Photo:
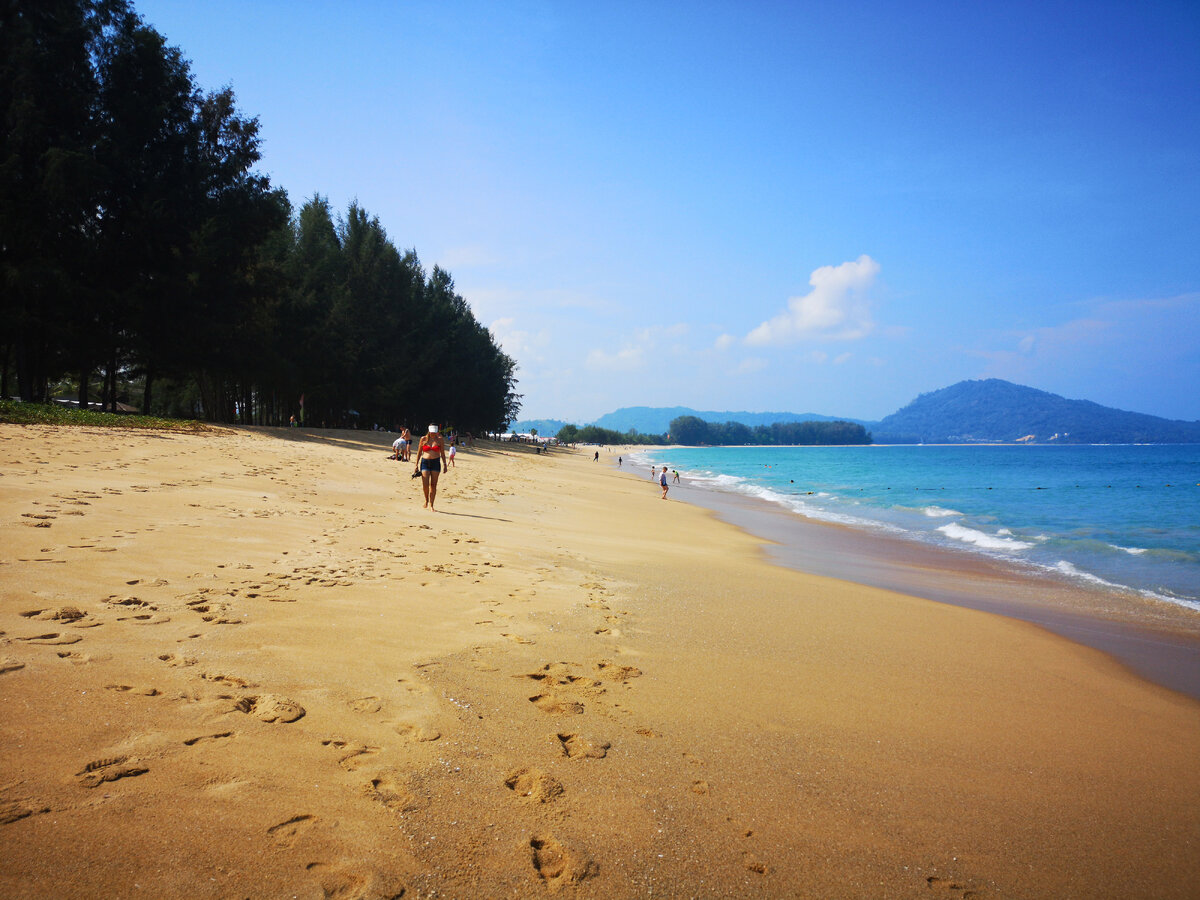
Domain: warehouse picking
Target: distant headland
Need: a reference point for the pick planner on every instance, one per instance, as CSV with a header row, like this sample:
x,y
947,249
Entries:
x,y
984,411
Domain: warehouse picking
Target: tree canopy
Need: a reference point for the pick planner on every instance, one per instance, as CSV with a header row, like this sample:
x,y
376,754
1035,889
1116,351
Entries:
x,y
593,434
140,247
695,431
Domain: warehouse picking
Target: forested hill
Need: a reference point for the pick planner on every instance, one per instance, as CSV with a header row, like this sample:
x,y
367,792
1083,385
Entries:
x,y
146,261
657,420
995,410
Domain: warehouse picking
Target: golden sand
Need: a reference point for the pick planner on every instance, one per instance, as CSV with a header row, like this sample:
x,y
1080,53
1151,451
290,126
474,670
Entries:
x,y
249,664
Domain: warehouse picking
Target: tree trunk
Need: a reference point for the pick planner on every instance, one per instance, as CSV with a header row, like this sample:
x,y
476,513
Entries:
x,y
32,381
110,393
4,371
146,395
84,376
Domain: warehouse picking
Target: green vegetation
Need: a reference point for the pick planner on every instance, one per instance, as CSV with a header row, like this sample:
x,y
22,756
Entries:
x,y
591,434
141,253
53,414
694,431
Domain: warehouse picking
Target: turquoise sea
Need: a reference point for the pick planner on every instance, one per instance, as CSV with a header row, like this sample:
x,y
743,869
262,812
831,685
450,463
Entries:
x,y
1110,516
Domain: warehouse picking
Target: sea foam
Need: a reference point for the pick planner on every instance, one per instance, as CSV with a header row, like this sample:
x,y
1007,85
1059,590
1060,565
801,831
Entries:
x,y
984,541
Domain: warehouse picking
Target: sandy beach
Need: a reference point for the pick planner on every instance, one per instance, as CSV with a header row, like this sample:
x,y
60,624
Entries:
x,y
247,663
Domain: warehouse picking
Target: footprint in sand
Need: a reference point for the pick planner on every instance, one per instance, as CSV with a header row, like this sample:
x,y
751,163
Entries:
x,y
130,689
412,687
366,705
145,619
534,785
175,660
286,833
231,680
349,881
577,747
16,810
611,671
352,755
221,735
270,708
753,864
67,614
417,733
114,768
558,865
952,887
393,792
549,704
8,664
52,638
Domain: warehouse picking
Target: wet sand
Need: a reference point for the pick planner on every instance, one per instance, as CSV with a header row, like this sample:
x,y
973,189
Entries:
x,y
1157,640
249,664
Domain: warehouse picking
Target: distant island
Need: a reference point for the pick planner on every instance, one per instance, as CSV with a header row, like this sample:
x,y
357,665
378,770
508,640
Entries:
x,y
996,411
983,411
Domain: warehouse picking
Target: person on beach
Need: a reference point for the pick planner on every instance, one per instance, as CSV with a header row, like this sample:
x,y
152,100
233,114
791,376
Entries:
x,y
618,462
453,452
406,437
398,449
430,460
675,480
662,480
596,458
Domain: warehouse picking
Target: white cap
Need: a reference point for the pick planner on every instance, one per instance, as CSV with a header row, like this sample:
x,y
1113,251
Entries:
x,y
433,429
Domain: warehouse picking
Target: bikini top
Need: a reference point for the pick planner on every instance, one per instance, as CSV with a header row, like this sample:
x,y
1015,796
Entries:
x,y
430,448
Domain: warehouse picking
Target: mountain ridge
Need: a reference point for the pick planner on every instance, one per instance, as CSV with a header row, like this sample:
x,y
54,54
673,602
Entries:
x,y
992,410
973,411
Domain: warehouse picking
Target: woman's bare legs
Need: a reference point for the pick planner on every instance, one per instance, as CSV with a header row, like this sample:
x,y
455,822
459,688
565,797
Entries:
x,y
426,475
431,488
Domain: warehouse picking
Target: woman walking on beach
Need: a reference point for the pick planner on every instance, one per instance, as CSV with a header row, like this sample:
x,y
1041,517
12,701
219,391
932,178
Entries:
x,y
430,461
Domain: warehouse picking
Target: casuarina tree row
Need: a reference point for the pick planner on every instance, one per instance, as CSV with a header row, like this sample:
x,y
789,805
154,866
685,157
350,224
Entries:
x,y
140,249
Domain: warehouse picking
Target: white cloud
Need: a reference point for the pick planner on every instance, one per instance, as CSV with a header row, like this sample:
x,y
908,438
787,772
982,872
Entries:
x,y
837,308
634,352
627,359
724,342
523,346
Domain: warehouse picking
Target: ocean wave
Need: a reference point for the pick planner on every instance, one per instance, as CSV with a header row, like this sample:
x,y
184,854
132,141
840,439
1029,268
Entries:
x,y
937,512
1132,551
1065,568
984,541
794,503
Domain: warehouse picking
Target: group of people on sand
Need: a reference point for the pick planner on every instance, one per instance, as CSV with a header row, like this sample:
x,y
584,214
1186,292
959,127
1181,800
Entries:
x,y
434,453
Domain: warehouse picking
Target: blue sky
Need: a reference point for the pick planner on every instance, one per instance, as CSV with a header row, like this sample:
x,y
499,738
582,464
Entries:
x,y
807,207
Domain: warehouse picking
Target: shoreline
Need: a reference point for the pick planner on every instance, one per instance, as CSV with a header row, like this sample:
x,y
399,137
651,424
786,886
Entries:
x,y
1165,650
250,664
1157,640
